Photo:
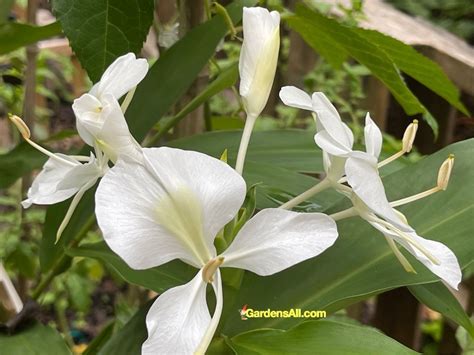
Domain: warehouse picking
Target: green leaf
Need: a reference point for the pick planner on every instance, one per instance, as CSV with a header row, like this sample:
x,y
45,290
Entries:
x,y
416,65
16,35
322,32
129,339
34,340
365,264
322,337
99,31
439,298
225,79
5,8
291,149
157,279
100,340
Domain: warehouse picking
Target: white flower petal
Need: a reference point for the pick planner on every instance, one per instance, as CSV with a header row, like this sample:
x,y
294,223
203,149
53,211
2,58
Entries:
x,y
448,269
363,177
178,319
321,103
328,144
275,239
81,175
87,110
121,76
330,121
114,137
220,191
333,166
127,202
46,189
258,57
373,137
294,97
167,209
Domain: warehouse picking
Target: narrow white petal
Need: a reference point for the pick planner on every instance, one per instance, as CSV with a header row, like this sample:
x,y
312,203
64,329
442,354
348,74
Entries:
x,y
275,239
328,144
320,102
44,189
294,97
178,319
363,177
373,137
81,175
121,76
448,269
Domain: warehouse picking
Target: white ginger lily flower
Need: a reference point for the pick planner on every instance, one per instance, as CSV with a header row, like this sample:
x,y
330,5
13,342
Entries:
x,y
371,203
62,176
333,136
168,208
99,118
367,191
257,66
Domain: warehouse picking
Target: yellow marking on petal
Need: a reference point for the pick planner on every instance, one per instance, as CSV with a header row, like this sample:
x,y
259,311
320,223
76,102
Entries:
x,y
180,212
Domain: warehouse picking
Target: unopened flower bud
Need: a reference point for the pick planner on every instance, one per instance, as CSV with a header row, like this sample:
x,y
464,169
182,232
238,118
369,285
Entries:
x,y
445,172
258,57
21,125
409,136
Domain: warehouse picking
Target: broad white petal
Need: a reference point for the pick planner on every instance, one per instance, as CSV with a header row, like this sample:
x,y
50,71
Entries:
x,y
87,110
44,189
448,269
275,239
219,189
294,97
178,319
258,57
127,202
328,144
363,177
373,137
170,208
121,76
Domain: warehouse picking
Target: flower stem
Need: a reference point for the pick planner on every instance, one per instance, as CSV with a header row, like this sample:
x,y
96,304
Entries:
x,y
244,143
418,196
211,329
350,212
391,158
320,186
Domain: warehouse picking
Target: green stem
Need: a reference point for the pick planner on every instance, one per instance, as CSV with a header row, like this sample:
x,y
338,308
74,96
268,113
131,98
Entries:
x,y
320,186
